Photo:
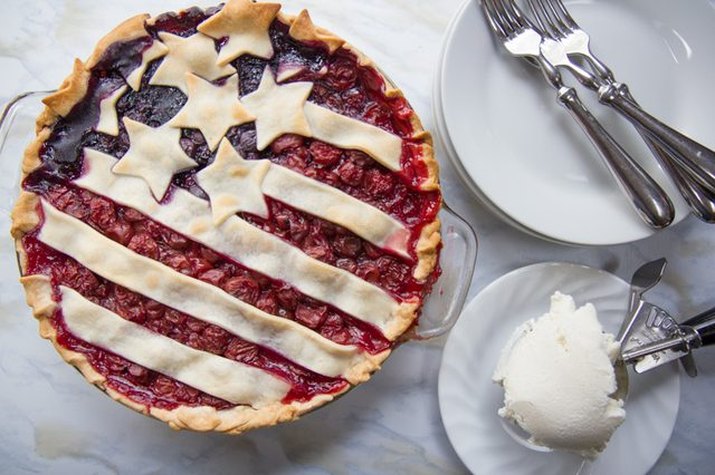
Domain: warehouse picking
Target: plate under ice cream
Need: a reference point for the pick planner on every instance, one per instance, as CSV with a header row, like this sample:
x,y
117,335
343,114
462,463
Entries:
x,y
559,380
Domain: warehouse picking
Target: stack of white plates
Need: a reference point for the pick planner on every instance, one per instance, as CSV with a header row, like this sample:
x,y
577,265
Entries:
x,y
522,154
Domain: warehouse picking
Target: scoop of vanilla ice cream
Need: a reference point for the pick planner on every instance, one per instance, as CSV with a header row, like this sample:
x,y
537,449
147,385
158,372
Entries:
x,y
558,378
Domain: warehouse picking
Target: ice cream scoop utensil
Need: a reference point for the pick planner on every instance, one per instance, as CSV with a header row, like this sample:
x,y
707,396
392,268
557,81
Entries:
x,y
644,279
656,338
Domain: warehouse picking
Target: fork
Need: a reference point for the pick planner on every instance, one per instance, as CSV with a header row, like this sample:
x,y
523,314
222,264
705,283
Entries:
x,y
522,39
681,157
559,27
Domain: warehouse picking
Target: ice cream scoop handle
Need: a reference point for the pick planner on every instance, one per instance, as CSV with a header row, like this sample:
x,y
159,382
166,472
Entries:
x,y
704,324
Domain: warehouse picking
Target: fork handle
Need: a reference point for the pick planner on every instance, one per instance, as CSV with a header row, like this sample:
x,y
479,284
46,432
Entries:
x,y
697,159
700,200
648,198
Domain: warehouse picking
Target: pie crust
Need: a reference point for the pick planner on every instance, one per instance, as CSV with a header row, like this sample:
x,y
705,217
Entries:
x,y
27,215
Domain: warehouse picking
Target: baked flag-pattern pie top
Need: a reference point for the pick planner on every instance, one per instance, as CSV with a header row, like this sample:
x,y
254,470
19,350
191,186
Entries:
x,y
228,217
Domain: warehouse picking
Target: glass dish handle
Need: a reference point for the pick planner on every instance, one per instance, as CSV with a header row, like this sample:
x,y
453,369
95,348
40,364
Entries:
x,y
8,114
17,127
457,260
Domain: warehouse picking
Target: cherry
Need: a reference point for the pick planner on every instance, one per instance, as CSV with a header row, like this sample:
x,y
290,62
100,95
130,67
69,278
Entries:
x,y
119,231
296,159
323,153
164,386
267,303
213,276
369,271
342,74
115,363
72,204
241,350
377,114
354,101
176,260
350,173
317,247
286,142
154,310
377,183
311,317
142,243
347,246
131,215
288,298
347,264
101,212
200,266
210,255
243,287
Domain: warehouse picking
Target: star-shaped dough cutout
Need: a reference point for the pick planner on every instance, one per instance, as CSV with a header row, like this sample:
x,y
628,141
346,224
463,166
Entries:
x,y
234,184
278,109
156,50
245,23
154,154
108,122
195,54
303,29
211,109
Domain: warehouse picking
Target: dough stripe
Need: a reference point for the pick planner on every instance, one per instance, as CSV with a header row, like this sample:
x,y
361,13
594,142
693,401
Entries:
x,y
199,299
220,377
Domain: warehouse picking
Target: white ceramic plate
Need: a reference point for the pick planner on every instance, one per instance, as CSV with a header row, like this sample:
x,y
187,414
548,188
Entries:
x,y
469,400
524,153
443,137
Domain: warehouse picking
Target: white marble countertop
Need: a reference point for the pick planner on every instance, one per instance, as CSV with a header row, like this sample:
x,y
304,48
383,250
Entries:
x,y
53,422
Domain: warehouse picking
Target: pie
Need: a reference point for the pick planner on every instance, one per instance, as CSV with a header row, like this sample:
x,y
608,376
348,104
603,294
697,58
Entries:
x,y
228,217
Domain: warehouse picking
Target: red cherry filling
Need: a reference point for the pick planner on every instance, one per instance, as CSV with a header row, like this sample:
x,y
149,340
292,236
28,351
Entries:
x,y
141,384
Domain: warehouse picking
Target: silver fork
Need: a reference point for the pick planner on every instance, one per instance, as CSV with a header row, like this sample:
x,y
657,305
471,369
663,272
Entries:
x,y
691,165
522,39
555,21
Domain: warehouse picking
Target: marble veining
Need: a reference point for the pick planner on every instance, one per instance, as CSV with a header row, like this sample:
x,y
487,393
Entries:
x,y
54,422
